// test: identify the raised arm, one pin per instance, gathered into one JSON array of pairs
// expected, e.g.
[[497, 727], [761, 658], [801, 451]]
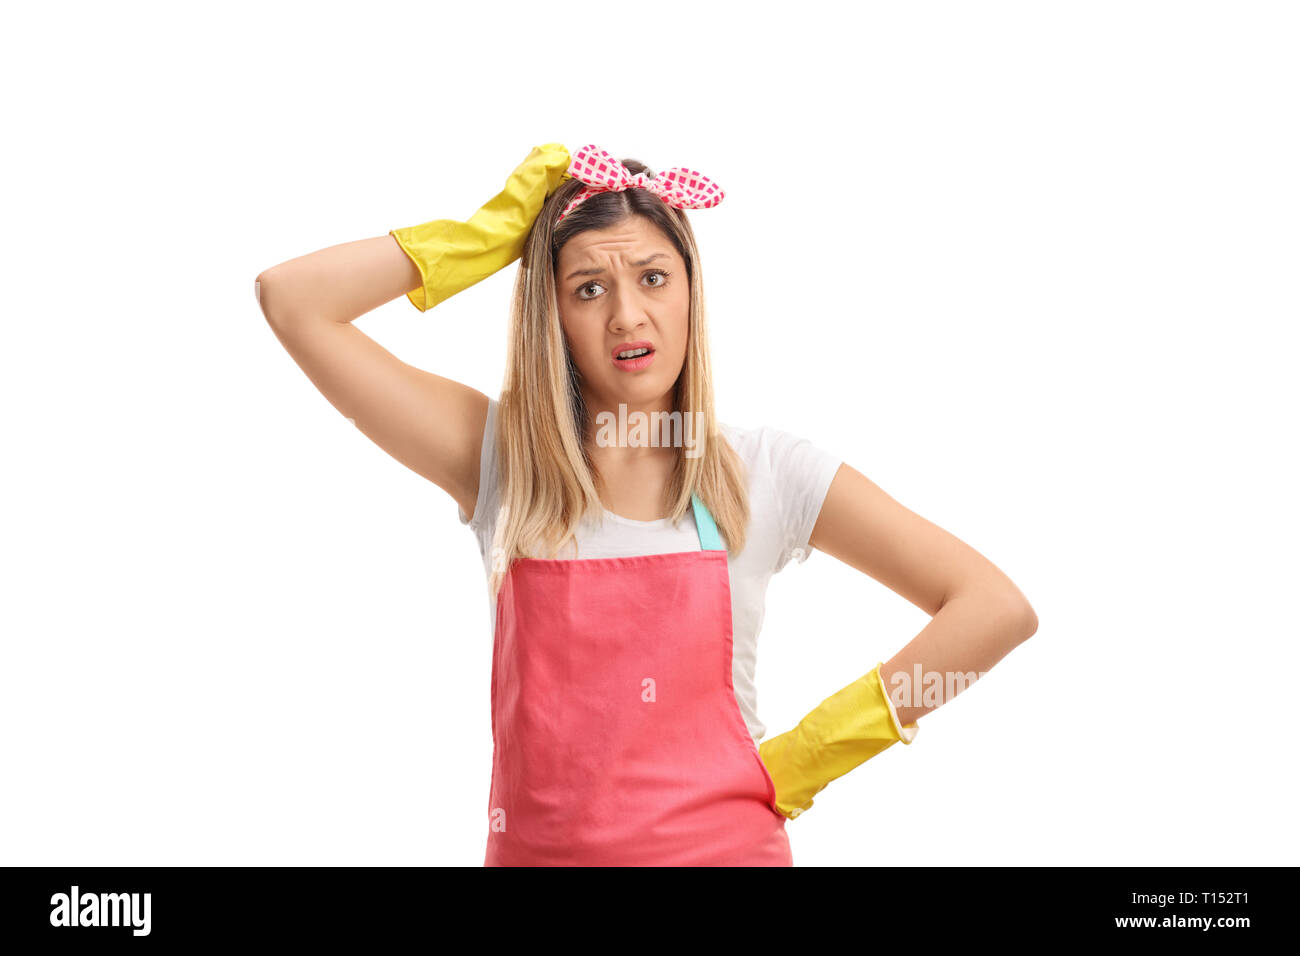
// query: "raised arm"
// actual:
[[431, 424]]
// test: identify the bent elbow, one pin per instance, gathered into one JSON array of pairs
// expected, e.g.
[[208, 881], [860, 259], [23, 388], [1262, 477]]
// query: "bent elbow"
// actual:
[[259, 286], [1017, 618], [269, 295], [1030, 625]]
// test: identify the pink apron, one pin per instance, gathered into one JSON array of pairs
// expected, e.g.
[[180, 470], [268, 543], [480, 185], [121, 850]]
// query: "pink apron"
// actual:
[[617, 739]]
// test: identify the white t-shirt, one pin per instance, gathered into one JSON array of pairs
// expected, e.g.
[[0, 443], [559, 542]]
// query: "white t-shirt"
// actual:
[[788, 480]]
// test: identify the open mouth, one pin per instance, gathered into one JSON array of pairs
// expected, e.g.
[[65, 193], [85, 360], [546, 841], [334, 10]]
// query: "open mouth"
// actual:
[[635, 356]]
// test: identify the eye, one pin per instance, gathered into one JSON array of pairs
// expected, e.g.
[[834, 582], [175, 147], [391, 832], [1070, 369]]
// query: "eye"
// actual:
[[661, 274]]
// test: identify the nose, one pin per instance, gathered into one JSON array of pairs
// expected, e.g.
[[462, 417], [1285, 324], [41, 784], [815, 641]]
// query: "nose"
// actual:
[[629, 311]]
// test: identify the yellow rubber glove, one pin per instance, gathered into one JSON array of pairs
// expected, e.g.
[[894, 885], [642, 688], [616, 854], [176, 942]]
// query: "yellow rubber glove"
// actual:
[[453, 255], [846, 729]]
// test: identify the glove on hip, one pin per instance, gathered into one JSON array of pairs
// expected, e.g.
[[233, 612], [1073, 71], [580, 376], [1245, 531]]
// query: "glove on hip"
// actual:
[[846, 729]]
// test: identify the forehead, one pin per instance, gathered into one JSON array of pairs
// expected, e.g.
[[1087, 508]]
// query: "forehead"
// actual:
[[635, 236]]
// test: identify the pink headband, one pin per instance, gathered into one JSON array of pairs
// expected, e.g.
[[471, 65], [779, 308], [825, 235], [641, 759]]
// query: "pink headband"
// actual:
[[601, 172]]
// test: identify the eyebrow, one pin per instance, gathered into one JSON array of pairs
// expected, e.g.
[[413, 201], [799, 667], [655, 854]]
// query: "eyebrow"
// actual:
[[596, 272]]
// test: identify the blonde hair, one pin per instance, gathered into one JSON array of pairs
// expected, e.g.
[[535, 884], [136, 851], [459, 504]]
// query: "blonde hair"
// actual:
[[547, 481]]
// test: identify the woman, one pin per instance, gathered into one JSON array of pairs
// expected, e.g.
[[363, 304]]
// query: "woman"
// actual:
[[623, 706]]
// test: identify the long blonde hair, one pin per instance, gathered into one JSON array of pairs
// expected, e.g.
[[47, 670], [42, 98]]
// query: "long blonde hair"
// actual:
[[547, 481]]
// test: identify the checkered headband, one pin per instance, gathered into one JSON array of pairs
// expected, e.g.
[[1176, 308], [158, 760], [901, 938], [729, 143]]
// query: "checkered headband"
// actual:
[[600, 172]]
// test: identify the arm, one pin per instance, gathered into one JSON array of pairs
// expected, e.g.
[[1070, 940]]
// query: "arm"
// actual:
[[431, 424], [978, 614]]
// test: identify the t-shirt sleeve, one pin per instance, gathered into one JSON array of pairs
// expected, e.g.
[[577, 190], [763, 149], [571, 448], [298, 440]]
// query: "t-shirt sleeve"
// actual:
[[801, 475], [485, 506]]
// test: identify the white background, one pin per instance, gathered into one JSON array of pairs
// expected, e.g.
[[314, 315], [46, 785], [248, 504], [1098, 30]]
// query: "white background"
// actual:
[[1031, 267]]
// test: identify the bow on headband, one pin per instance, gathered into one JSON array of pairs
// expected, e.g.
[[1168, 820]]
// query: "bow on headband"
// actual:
[[601, 172]]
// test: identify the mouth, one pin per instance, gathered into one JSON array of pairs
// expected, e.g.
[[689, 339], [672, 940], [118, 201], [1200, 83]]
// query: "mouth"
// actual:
[[631, 356]]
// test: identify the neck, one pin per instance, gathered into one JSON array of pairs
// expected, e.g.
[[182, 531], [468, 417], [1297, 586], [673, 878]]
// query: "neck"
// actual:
[[623, 441]]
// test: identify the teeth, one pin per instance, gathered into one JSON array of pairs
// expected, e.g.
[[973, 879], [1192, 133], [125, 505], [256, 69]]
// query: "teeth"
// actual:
[[633, 353]]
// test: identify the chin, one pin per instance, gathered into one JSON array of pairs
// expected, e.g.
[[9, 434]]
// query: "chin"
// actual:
[[645, 389]]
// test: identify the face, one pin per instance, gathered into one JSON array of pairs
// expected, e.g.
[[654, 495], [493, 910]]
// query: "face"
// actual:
[[620, 288]]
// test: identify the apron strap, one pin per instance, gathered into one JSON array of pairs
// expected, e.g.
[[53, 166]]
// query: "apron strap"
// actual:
[[710, 540]]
